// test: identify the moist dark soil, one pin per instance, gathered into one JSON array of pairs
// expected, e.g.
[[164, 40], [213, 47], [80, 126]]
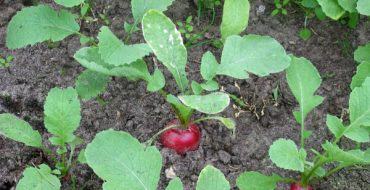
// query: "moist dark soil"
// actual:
[[129, 107]]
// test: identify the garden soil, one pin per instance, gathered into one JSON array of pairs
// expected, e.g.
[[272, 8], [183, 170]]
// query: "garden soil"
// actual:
[[129, 107]]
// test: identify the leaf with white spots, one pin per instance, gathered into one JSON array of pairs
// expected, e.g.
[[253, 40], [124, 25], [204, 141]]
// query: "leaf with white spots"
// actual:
[[161, 35]]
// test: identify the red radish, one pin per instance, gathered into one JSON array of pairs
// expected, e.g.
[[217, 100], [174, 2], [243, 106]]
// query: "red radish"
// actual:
[[296, 186], [181, 140]]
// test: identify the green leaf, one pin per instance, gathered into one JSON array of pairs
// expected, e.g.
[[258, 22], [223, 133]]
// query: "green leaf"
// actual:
[[257, 181], [81, 157], [284, 154], [140, 7], [209, 65], [359, 134], [166, 42], [90, 58], [156, 81], [335, 125], [228, 122], [309, 3], [334, 153], [331, 8], [121, 161], [184, 112], [115, 52], [235, 17], [37, 24], [196, 87], [359, 108], [38, 179], [69, 3], [348, 5], [362, 53], [363, 71], [211, 104], [363, 7], [303, 80], [353, 20], [19, 130], [305, 34], [175, 184], [320, 13], [90, 84], [210, 85], [130, 27], [211, 178], [62, 112], [84, 9], [252, 53]]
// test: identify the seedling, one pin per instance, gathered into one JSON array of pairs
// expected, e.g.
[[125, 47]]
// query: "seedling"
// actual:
[[62, 117], [303, 80], [5, 62], [187, 30], [280, 7]]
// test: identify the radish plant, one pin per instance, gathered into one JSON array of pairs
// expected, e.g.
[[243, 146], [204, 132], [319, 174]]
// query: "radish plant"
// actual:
[[122, 162], [62, 115], [111, 57], [303, 80], [238, 59]]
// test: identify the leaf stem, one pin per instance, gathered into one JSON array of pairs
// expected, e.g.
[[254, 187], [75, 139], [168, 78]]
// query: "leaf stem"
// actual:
[[302, 133], [150, 141], [136, 22]]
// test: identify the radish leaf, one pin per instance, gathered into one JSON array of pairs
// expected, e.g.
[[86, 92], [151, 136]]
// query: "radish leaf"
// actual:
[[284, 154], [121, 161], [166, 42], [303, 80], [254, 54], [140, 7], [38, 24], [335, 125], [331, 8], [235, 17], [62, 114], [19, 130], [350, 157], [257, 181], [175, 184], [210, 104], [114, 51], [89, 57], [69, 3], [348, 5], [363, 71], [209, 65], [90, 84], [38, 179], [362, 53], [211, 178], [363, 7]]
